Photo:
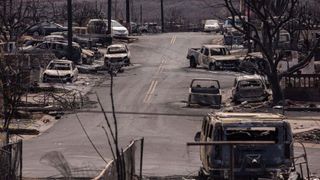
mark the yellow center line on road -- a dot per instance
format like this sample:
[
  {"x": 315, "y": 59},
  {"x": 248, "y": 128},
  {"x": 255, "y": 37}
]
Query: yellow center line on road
[
  {"x": 173, "y": 39},
  {"x": 150, "y": 91},
  {"x": 161, "y": 67}
]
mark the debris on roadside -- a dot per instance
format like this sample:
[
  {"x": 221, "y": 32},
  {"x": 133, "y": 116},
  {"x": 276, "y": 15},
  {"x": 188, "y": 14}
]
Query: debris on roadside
[{"x": 311, "y": 136}]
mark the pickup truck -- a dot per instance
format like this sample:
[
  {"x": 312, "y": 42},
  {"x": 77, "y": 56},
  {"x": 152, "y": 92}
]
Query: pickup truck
[{"x": 213, "y": 57}]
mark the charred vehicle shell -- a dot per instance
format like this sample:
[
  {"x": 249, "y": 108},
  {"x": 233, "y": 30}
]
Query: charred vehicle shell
[
  {"x": 205, "y": 92},
  {"x": 117, "y": 55},
  {"x": 251, "y": 88},
  {"x": 261, "y": 146}
]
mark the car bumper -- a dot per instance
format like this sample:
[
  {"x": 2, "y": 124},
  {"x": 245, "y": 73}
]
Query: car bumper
[
  {"x": 228, "y": 65},
  {"x": 213, "y": 100},
  {"x": 121, "y": 63},
  {"x": 251, "y": 99},
  {"x": 57, "y": 79}
]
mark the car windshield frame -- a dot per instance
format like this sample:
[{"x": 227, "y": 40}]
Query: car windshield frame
[
  {"x": 212, "y": 22},
  {"x": 250, "y": 83},
  {"x": 59, "y": 66},
  {"x": 117, "y": 50},
  {"x": 258, "y": 133},
  {"x": 116, "y": 24}
]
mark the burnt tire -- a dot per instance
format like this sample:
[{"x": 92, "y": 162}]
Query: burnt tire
[
  {"x": 212, "y": 67},
  {"x": 193, "y": 63},
  {"x": 36, "y": 33}
]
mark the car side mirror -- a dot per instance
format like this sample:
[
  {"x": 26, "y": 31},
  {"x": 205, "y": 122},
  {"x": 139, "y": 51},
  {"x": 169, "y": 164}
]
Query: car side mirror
[{"x": 197, "y": 136}]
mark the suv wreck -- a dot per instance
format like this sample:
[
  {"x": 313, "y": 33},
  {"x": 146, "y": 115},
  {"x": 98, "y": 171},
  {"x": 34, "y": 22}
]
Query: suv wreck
[
  {"x": 246, "y": 146},
  {"x": 205, "y": 91},
  {"x": 250, "y": 88}
]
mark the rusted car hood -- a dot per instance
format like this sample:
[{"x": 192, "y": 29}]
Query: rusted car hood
[
  {"x": 116, "y": 55},
  {"x": 57, "y": 72}
]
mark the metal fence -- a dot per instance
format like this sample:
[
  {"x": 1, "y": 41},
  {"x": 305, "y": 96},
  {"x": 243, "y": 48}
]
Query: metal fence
[
  {"x": 302, "y": 87},
  {"x": 11, "y": 161},
  {"x": 132, "y": 158}
]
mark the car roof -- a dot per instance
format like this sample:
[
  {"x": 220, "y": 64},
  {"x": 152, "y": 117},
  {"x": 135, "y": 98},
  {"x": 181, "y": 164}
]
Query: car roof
[
  {"x": 210, "y": 46},
  {"x": 247, "y": 77},
  {"x": 62, "y": 42},
  {"x": 232, "y": 117},
  {"x": 93, "y": 20}
]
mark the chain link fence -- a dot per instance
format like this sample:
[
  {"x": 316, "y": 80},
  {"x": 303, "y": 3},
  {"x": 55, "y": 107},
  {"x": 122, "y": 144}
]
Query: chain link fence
[
  {"x": 132, "y": 158},
  {"x": 11, "y": 161}
]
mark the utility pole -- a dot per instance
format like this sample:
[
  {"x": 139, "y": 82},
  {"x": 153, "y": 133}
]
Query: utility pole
[
  {"x": 141, "y": 15},
  {"x": 249, "y": 29},
  {"x": 162, "y": 17},
  {"x": 128, "y": 15},
  {"x": 69, "y": 4},
  {"x": 109, "y": 16}
]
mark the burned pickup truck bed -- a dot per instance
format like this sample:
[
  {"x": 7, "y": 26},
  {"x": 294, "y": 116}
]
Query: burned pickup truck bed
[{"x": 205, "y": 92}]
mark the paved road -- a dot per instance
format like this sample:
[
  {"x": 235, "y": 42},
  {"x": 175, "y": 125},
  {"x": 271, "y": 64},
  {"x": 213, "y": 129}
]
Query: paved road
[{"x": 148, "y": 95}]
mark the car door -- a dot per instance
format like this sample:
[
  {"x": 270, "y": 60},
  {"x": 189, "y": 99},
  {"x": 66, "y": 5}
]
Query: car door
[
  {"x": 200, "y": 56},
  {"x": 128, "y": 52},
  {"x": 208, "y": 149},
  {"x": 74, "y": 71},
  {"x": 205, "y": 57},
  {"x": 203, "y": 139}
]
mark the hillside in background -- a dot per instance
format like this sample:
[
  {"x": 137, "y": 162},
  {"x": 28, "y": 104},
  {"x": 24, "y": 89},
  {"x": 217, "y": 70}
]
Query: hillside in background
[{"x": 192, "y": 11}]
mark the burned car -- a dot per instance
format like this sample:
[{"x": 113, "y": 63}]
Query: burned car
[
  {"x": 245, "y": 146},
  {"x": 60, "y": 71},
  {"x": 59, "y": 48},
  {"x": 250, "y": 88},
  {"x": 205, "y": 92},
  {"x": 117, "y": 55}
]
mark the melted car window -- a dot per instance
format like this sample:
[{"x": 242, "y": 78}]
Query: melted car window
[
  {"x": 116, "y": 50},
  {"x": 59, "y": 66},
  {"x": 218, "y": 51},
  {"x": 251, "y": 134},
  {"x": 250, "y": 84}
]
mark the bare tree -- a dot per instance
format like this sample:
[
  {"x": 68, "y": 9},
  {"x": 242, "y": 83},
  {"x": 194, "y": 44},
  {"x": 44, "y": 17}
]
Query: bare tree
[
  {"x": 272, "y": 16},
  {"x": 11, "y": 87},
  {"x": 16, "y": 17},
  {"x": 217, "y": 9},
  {"x": 83, "y": 11}
]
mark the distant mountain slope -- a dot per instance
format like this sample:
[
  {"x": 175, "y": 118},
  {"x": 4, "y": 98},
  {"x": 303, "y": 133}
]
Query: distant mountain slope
[{"x": 185, "y": 10}]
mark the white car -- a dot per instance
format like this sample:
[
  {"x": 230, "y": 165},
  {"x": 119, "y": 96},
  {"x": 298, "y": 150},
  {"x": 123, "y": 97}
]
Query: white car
[
  {"x": 118, "y": 30},
  {"x": 117, "y": 54},
  {"x": 60, "y": 71},
  {"x": 101, "y": 26},
  {"x": 211, "y": 25}
]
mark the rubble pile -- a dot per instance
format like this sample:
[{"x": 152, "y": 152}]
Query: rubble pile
[{"x": 312, "y": 136}]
